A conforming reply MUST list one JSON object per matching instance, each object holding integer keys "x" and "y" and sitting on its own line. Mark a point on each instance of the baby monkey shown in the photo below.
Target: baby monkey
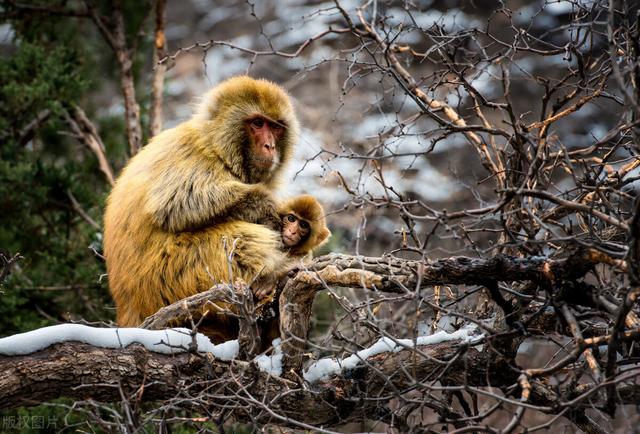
{"x": 304, "y": 227}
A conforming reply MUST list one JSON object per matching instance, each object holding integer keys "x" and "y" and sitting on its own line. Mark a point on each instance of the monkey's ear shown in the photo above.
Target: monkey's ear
{"x": 323, "y": 235}
{"x": 208, "y": 105}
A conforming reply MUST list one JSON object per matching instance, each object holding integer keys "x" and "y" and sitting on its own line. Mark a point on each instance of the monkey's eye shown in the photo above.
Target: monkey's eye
{"x": 257, "y": 122}
{"x": 277, "y": 125}
{"x": 291, "y": 218}
{"x": 304, "y": 224}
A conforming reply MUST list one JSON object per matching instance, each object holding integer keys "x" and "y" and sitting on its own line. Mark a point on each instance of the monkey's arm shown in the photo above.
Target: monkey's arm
{"x": 259, "y": 207}
{"x": 176, "y": 203}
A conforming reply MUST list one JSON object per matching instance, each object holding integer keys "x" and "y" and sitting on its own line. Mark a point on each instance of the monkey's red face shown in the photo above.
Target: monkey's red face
{"x": 294, "y": 230}
{"x": 264, "y": 135}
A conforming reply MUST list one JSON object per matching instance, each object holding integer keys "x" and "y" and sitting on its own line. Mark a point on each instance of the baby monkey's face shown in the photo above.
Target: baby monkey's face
{"x": 294, "y": 230}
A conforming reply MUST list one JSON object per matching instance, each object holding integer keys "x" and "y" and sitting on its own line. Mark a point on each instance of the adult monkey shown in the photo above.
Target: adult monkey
{"x": 197, "y": 193}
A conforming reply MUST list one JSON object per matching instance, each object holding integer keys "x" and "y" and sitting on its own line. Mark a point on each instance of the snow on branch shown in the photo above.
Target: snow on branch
{"x": 326, "y": 367}
{"x": 131, "y": 359}
{"x": 169, "y": 341}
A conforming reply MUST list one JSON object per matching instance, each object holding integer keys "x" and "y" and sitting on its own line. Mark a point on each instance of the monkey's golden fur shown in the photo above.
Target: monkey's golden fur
{"x": 308, "y": 208}
{"x": 188, "y": 190}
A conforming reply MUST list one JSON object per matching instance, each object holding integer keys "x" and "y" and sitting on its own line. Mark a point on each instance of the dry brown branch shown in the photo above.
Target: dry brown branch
{"x": 84, "y": 130}
{"x": 113, "y": 30}
{"x": 83, "y": 372}
{"x": 157, "y": 82}
{"x": 81, "y": 212}
{"x": 28, "y": 131}
{"x": 566, "y": 112}
{"x": 6, "y": 263}
{"x": 188, "y": 310}
{"x": 572, "y": 206}
{"x": 256, "y": 53}
{"x": 382, "y": 274}
{"x": 193, "y": 311}
{"x": 432, "y": 105}
{"x": 391, "y": 274}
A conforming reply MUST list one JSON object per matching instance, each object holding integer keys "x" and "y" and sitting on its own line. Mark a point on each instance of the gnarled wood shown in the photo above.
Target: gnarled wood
{"x": 199, "y": 381}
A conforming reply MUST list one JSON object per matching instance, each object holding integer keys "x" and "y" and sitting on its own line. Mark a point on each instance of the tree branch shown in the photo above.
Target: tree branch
{"x": 114, "y": 33}
{"x": 84, "y": 130}
{"x": 157, "y": 85}
{"x": 83, "y": 372}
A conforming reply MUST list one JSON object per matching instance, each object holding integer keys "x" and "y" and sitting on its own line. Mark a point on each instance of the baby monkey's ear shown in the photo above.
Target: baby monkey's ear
{"x": 323, "y": 235}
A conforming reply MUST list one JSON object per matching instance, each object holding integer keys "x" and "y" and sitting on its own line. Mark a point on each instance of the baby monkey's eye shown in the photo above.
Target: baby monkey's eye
{"x": 304, "y": 224}
{"x": 257, "y": 122}
{"x": 291, "y": 218}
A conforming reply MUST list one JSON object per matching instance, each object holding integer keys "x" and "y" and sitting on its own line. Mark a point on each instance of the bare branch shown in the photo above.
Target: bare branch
{"x": 86, "y": 132}
{"x": 113, "y": 30}
{"x": 157, "y": 82}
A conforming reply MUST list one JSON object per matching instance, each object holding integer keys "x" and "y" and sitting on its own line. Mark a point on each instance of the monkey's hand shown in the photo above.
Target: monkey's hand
{"x": 271, "y": 219}
{"x": 264, "y": 287}
{"x": 258, "y": 207}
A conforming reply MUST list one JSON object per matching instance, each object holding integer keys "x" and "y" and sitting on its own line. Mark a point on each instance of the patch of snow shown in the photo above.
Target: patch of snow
{"x": 225, "y": 351}
{"x": 216, "y": 15}
{"x": 423, "y": 328}
{"x": 169, "y": 341}
{"x": 324, "y": 368}
{"x": 486, "y": 82}
{"x": 527, "y": 13}
{"x": 178, "y": 340}
{"x": 6, "y": 33}
{"x": 403, "y": 172}
{"x": 559, "y": 7}
{"x": 271, "y": 364}
{"x": 371, "y": 125}
{"x": 221, "y": 64}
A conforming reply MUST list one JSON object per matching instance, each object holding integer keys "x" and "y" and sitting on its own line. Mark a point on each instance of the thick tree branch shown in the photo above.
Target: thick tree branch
{"x": 83, "y": 372}
{"x": 392, "y": 274}
{"x": 80, "y": 371}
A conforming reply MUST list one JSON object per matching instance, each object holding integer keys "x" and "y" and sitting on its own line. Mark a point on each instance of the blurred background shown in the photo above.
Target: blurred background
{"x": 351, "y": 110}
